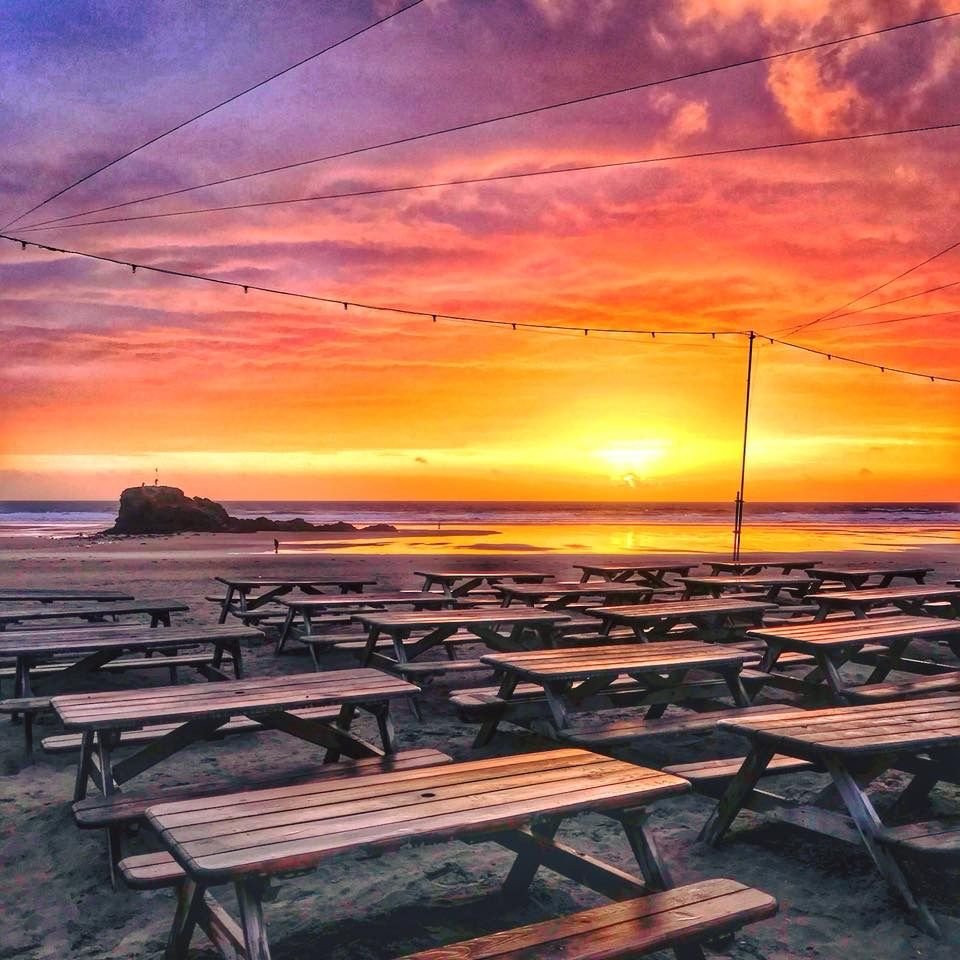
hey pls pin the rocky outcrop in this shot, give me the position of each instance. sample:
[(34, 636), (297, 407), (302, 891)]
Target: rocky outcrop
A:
[(156, 509)]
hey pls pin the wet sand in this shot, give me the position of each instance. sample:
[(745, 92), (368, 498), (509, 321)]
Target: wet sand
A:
[(56, 902)]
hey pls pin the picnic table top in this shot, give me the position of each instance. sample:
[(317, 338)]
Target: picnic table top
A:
[(453, 575), (827, 572), (359, 599), (130, 709), (666, 567), (294, 828), (581, 662), (751, 580), (575, 588), (901, 725), (686, 610), (888, 594), (763, 562), (25, 643), (15, 614), (853, 633), (15, 594), (491, 616), (249, 583)]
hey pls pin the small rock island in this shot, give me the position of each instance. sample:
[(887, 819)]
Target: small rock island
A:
[(160, 509)]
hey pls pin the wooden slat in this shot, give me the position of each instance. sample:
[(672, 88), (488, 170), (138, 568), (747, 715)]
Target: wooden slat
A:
[(890, 594), (496, 616), (116, 709), (682, 610), (296, 582), (60, 595), (434, 809), (119, 608), (623, 930)]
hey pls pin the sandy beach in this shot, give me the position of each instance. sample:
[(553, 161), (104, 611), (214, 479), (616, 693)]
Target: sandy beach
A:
[(56, 901)]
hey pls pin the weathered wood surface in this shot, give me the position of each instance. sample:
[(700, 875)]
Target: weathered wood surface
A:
[(655, 620), (100, 811), (810, 637), (119, 710), (857, 577), (652, 573), (907, 726), (253, 833), (157, 610), (769, 584), (294, 583), (908, 599), (580, 663), (61, 595), (621, 931), (785, 565), (405, 622), (416, 598), (557, 595)]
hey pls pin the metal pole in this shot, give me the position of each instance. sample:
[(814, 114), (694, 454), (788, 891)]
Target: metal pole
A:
[(738, 512)]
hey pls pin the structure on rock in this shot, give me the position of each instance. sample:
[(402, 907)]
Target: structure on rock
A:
[(159, 509)]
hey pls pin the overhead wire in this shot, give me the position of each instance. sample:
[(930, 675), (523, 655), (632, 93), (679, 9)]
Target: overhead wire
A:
[(437, 316), (209, 110), (485, 121), (503, 177)]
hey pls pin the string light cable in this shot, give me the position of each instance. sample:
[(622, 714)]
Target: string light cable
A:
[(499, 118), (436, 317), (209, 110), (504, 177)]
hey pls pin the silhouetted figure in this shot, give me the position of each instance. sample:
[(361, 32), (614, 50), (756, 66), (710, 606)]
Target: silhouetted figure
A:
[(276, 546)]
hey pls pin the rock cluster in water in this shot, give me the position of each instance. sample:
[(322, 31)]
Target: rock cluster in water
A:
[(158, 509)]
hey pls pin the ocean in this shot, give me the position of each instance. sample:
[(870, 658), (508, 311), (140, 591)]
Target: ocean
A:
[(524, 526)]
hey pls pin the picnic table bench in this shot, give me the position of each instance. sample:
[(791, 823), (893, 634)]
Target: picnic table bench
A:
[(855, 745), (558, 595), (197, 712), (458, 583), (61, 595), (833, 643), (907, 599), (307, 608), (157, 610), (653, 574), (249, 839), (854, 578), (747, 568), (769, 585), (715, 620), (37, 652), (247, 600), (574, 680)]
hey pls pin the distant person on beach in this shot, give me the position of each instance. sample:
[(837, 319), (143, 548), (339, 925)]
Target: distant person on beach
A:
[(276, 545)]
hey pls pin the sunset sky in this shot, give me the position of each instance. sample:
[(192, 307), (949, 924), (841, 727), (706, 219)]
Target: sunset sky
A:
[(106, 375)]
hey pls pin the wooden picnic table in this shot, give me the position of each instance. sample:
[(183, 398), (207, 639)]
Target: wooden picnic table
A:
[(199, 710), (833, 643), (578, 679), (517, 802), (557, 595), (769, 584), (458, 583), (908, 599), (715, 620), (524, 628), (654, 574), (244, 590), (748, 568), (61, 595), (306, 608), (98, 647), (855, 745), (158, 610), (855, 578)]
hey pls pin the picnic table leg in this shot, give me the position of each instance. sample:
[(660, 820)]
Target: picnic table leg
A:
[(225, 605), (654, 870), (83, 765), (737, 690), (525, 867), (189, 905), (250, 900), (869, 825), (381, 713), (735, 795), (285, 631), (489, 726)]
